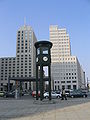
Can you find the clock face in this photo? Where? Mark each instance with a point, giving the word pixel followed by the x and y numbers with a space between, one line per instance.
pixel 37 59
pixel 45 59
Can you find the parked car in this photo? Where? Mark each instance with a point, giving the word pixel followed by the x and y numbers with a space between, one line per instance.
pixel 2 94
pixel 34 94
pixel 54 94
pixel 78 94
pixel 10 94
pixel 67 92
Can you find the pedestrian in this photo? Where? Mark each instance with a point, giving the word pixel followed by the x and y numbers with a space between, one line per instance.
pixel 64 94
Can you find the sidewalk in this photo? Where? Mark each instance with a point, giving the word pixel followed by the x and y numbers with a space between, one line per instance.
pixel 77 112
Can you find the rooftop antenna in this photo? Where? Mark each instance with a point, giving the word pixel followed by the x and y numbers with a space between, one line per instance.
pixel 24 21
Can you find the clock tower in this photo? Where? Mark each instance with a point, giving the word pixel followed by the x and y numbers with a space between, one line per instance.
pixel 43 59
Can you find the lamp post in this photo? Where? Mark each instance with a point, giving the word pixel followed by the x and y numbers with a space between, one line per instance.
pixel 43 59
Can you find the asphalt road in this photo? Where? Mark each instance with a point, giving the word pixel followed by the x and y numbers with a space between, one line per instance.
pixel 26 105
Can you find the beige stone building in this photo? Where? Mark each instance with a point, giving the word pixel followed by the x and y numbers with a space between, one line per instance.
pixel 66 70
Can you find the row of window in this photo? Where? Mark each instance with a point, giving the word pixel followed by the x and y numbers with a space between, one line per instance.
pixel 24 64
pixel 18 58
pixel 65 78
pixel 23 37
pixel 23 73
pixel 64 73
pixel 22 44
pixel 56 35
pixel 7 65
pixel 57 87
pixel 66 81
pixel 6 59
pixel 70 73
pixel 8 62
pixel 23 51
pixel 6 72
pixel 22 61
pixel 23 69
pixel 23 55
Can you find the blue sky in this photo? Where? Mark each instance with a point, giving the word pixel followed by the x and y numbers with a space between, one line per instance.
pixel 74 15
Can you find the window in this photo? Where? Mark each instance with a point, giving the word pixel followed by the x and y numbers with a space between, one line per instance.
pixel 25 44
pixel 68 86
pixel 38 51
pixel 62 81
pixel 58 87
pixel 45 50
pixel 1 89
pixel 63 86
pixel 1 78
pixel 21 55
pixel 1 84
pixel 73 81
pixel 17 55
pixel 68 81
pixel 18 35
pixel 55 87
pixel 74 87
pixel 19 41
pixel 29 72
pixel 66 73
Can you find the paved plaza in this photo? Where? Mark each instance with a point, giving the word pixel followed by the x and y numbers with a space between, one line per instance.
pixel 30 109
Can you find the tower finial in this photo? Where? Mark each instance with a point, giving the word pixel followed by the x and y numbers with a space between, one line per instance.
pixel 24 21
